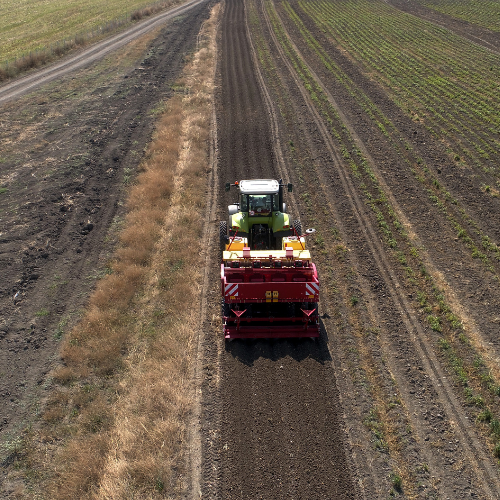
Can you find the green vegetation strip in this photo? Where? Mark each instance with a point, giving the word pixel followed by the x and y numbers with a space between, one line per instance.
pixel 485 13
pixel 434 309
pixel 467 229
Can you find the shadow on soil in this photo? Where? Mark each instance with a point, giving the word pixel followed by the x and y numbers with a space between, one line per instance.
pixel 248 351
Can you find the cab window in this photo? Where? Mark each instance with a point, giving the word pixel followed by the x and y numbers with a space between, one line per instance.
pixel 259 203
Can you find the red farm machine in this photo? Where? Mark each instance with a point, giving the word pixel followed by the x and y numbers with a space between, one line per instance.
pixel 270 286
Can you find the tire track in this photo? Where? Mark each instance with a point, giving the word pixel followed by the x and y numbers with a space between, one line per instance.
pixel 474 450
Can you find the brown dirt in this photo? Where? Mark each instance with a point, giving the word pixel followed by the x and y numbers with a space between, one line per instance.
pixel 341 417
pixel 272 421
pixel 271 408
pixel 68 152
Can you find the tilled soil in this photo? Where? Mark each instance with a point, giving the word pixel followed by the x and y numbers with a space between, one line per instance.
pixel 378 360
pixel 373 399
pixel 68 152
pixel 275 430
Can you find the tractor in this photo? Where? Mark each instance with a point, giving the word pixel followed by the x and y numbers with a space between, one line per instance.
pixel 259 215
pixel 270 286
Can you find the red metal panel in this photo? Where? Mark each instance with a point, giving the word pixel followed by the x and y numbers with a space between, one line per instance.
pixel 250 285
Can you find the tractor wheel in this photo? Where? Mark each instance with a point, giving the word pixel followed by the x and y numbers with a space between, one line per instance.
pixel 223 234
pixel 298 227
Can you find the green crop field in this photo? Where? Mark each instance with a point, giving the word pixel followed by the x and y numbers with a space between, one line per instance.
pixel 485 13
pixel 441 79
pixel 449 86
pixel 29 25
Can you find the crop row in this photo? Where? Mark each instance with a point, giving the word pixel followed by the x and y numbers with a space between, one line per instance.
pixel 451 84
pixel 480 389
pixel 485 13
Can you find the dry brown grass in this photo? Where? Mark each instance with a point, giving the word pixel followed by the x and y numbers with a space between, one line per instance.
pixel 115 422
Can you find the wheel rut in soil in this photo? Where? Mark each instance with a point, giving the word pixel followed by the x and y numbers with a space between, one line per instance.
pixel 272 421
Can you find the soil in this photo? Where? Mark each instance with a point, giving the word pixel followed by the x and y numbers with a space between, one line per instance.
pixel 272 416
pixel 69 151
pixel 373 399
pixel 272 407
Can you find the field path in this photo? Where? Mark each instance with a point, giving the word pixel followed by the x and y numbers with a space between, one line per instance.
pixel 93 53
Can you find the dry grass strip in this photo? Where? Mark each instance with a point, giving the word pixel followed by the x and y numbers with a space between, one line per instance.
pixel 115 425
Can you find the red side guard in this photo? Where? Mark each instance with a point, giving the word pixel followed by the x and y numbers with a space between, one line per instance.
pixel 270 302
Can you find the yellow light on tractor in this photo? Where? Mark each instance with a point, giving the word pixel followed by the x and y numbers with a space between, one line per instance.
pixel 269 295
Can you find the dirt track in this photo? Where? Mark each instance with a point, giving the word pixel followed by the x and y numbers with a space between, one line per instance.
pixel 67 152
pixel 276 420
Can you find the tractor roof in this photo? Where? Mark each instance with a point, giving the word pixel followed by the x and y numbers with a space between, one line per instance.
pixel 259 186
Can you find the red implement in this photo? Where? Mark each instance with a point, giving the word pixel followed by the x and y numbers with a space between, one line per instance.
pixel 269 295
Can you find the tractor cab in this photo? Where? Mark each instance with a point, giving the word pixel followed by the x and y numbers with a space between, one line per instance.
pixel 259 198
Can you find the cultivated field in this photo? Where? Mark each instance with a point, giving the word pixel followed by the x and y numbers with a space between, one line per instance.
pixel 387 123
pixel 34 33
pixel 483 14
pixel 384 115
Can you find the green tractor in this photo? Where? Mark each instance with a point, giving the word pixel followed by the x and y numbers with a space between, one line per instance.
pixel 259 215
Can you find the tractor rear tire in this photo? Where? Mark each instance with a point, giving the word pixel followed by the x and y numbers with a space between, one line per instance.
pixel 298 227
pixel 223 234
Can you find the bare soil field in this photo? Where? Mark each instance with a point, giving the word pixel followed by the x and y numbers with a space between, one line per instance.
pixel 399 397
pixel 69 151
